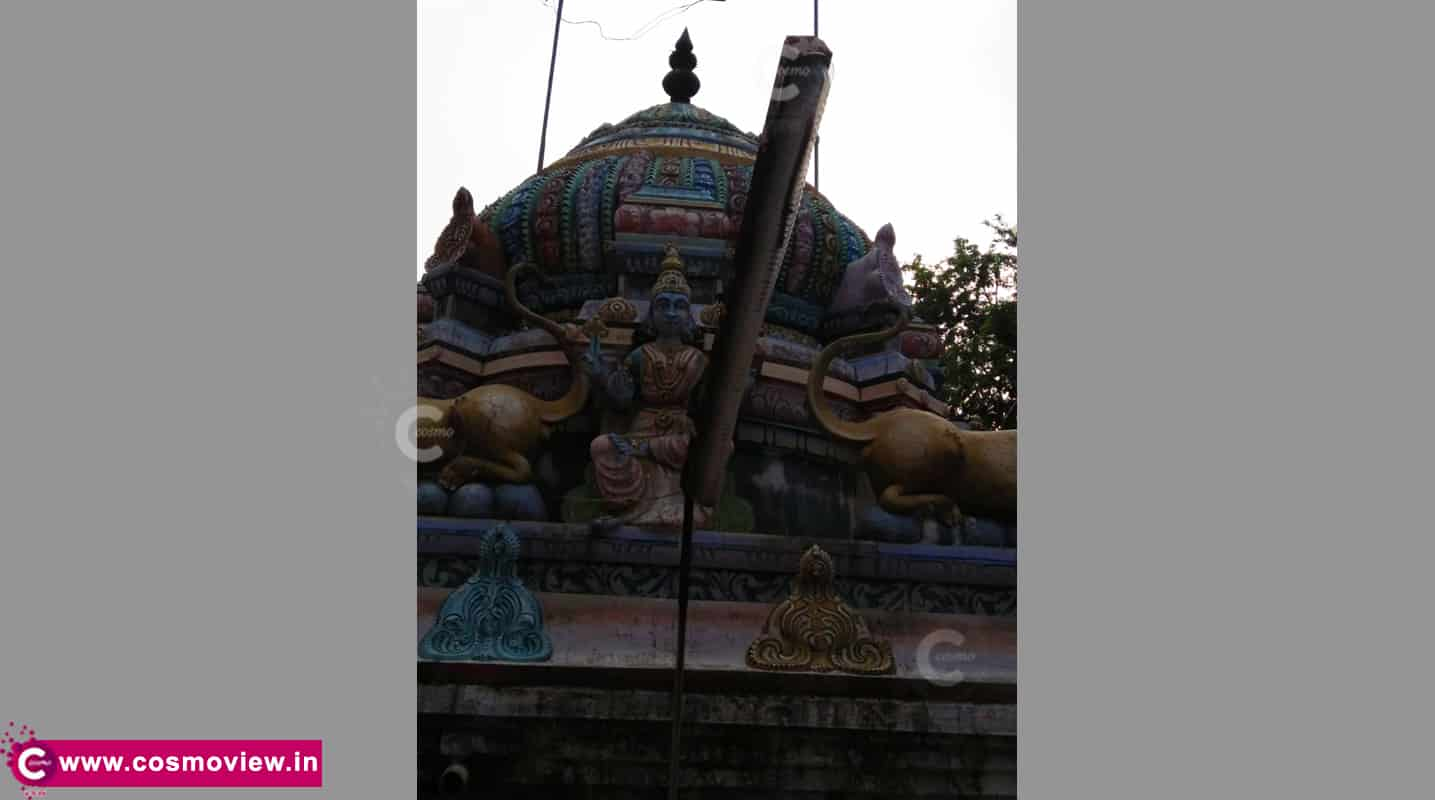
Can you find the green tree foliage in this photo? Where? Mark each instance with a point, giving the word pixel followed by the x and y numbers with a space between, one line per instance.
pixel 971 298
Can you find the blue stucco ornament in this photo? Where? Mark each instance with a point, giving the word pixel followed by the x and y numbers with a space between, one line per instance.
pixel 492 616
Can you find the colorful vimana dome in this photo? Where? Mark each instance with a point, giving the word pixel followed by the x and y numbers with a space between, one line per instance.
pixel 597 220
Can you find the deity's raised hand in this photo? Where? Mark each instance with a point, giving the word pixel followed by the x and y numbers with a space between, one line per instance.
pixel 622 444
pixel 593 358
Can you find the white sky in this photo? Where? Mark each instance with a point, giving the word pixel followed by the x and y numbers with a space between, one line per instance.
pixel 919 128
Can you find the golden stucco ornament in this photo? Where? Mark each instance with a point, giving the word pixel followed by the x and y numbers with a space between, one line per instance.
pixel 814 630
pixel 713 315
pixel 617 309
pixel 595 327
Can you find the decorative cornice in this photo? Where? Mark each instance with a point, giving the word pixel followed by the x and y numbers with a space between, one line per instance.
pixel 726 585
pixel 947 565
pixel 753 710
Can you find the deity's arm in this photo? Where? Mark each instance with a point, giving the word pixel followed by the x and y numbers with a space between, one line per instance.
pixel 620 385
pixel 617 383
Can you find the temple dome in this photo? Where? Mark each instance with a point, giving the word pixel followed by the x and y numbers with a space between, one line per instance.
pixel 596 221
pixel 669 125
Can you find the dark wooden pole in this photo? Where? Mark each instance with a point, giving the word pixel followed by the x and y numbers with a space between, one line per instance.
pixel 798 95
pixel 817 142
pixel 774 195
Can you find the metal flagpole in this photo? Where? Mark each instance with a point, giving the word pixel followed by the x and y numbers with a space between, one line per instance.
pixel 548 98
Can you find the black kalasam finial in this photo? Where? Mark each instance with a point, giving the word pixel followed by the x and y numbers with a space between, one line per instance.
pixel 681 84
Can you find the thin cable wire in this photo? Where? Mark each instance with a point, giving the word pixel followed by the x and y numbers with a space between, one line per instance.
pixel 647 27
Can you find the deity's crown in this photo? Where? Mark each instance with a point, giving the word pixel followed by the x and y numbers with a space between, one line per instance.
pixel 671 278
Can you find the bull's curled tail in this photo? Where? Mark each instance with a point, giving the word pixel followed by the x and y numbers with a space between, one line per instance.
pixel 572 401
pixel 858 432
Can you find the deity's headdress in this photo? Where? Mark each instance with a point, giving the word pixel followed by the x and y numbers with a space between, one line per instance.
pixel 671 278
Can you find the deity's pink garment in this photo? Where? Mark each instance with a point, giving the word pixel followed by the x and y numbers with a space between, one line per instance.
pixel 648 491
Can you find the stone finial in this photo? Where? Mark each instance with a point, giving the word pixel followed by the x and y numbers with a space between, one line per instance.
pixel 814 630
pixel 681 84
pixel 492 616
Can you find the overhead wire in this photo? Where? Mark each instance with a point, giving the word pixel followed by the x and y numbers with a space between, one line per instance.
pixel 647 27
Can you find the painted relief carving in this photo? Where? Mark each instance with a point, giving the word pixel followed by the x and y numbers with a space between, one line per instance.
pixel 638 471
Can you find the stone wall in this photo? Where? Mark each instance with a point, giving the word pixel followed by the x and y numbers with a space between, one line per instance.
pixel 522 756
pixel 592 721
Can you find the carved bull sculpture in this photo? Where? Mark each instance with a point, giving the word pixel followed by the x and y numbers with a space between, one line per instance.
pixel 918 460
pixel 486 433
pixel 875 277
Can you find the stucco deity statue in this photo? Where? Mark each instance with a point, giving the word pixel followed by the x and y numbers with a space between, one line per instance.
pixel 639 472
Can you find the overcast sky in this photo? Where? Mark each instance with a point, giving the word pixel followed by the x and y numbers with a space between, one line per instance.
pixel 919 128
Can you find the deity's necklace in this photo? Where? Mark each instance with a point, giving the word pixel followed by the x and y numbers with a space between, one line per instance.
pixel 666 368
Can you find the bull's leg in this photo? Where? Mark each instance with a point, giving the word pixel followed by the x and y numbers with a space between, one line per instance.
pixel 893 499
pixel 506 468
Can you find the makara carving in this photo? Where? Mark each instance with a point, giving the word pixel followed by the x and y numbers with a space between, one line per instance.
pixel 814 630
pixel 492 616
